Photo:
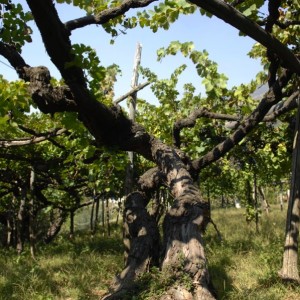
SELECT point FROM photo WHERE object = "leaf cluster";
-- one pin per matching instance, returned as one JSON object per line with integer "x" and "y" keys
{"x": 14, "y": 28}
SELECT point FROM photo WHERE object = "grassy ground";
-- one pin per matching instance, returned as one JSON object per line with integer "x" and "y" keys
{"x": 243, "y": 266}
{"x": 66, "y": 270}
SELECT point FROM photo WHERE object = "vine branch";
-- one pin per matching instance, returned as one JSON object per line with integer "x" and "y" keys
{"x": 272, "y": 97}
{"x": 232, "y": 16}
{"x": 107, "y": 14}
{"x": 31, "y": 140}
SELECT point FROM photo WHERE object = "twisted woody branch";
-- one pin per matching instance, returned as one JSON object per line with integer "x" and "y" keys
{"x": 232, "y": 16}
{"x": 273, "y": 96}
{"x": 107, "y": 14}
{"x": 32, "y": 140}
{"x": 190, "y": 121}
{"x": 112, "y": 128}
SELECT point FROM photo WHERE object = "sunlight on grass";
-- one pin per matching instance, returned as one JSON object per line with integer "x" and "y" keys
{"x": 243, "y": 266}
{"x": 79, "y": 269}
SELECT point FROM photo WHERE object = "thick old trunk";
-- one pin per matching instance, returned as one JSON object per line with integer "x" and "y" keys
{"x": 110, "y": 127}
{"x": 183, "y": 257}
{"x": 184, "y": 253}
{"x": 183, "y": 247}
{"x": 141, "y": 239}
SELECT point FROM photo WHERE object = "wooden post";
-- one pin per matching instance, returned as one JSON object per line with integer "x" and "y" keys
{"x": 103, "y": 214}
{"x": 96, "y": 215}
{"x": 281, "y": 197}
{"x": 92, "y": 224}
{"x": 132, "y": 111}
{"x": 289, "y": 269}
{"x": 134, "y": 81}
{"x": 32, "y": 216}
{"x": 107, "y": 217}
{"x": 255, "y": 199}
{"x": 20, "y": 221}
{"x": 71, "y": 233}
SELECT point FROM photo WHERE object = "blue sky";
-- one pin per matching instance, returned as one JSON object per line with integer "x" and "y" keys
{"x": 222, "y": 42}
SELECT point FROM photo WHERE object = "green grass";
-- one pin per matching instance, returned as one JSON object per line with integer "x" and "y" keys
{"x": 77, "y": 269}
{"x": 243, "y": 266}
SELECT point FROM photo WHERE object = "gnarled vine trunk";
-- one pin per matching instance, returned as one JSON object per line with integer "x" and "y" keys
{"x": 141, "y": 239}
{"x": 188, "y": 216}
{"x": 183, "y": 248}
{"x": 183, "y": 254}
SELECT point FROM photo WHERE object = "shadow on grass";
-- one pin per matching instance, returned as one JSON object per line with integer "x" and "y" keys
{"x": 84, "y": 242}
{"x": 24, "y": 276}
{"x": 273, "y": 279}
{"x": 222, "y": 283}
{"x": 80, "y": 268}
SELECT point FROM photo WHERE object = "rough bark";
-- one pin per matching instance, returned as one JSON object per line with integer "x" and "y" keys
{"x": 111, "y": 128}
{"x": 184, "y": 254}
{"x": 141, "y": 239}
{"x": 183, "y": 224}
{"x": 289, "y": 270}
{"x": 182, "y": 227}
